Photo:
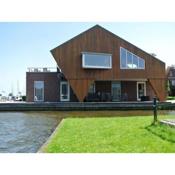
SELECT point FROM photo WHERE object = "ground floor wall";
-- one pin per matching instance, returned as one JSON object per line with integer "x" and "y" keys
{"x": 51, "y": 85}
{"x": 128, "y": 89}
{"x": 52, "y": 80}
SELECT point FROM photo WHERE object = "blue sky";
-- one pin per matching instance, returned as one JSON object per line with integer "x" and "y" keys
{"x": 25, "y": 45}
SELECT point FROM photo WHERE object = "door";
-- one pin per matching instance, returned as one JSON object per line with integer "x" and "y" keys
{"x": 116, "y": 91}
{"x": 38, "y": 90}
{"x": 64, "y": 91}
{"x": 141, "y": 90}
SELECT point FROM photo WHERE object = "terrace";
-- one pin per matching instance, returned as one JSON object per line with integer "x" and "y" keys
{"x": 43, "y": 69}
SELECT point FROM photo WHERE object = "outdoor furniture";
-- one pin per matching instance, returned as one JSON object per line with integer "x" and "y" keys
{"x": 144, "y": 98}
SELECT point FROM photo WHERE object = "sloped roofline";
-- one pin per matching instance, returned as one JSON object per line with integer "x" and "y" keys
{"x": 98, "y": 26}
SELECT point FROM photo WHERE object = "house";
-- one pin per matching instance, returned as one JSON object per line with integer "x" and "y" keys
{"x": 97, "y": 65}
{"x": 170, "y": 73}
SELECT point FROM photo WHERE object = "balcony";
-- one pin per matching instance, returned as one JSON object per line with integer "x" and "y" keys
{"x": 42, "y": 69}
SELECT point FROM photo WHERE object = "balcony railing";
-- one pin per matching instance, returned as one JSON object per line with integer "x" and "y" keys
{"x": 42, "y": 69}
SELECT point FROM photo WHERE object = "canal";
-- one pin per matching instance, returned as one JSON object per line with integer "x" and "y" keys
{"x": 26, "y": 132}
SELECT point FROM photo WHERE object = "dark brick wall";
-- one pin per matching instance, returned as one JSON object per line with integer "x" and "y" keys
{"x": 51, "y": 85}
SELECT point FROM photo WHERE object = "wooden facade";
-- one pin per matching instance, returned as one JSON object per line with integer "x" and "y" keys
{"x": 97, "y": 39}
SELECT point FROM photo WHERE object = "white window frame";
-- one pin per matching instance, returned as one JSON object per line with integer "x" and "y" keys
{"x": 141, "y": 82}
{"x": 121, "y": 67}
{"x": 42, "y": 93}
{"x": 64, "y": 82}
{"x": 96, "y": 67}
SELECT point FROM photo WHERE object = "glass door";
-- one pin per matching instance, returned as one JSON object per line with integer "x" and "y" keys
{"x": 64, "y": 91}
{"x": 116, "y": 91}
{"x": 38, "y": 90}
{"x": 141, "y": 90}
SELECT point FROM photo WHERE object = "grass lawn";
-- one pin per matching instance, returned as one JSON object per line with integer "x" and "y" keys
{"x": 170, "y": 98}
{"x": 111, "y": 134}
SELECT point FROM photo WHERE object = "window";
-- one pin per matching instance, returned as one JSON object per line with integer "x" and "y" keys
{"x": 123, "y": 57}
{"x": 173, "y": 82}
{"x": 91, "y": 88}
{"x": 135, "y": 64}
{"x": 141, "y": 63}
{"x": 96, "y": 60}
{"x": 38, "y": 90}
{"x": 64, "y": 91}
{"x": 129, "y": 60}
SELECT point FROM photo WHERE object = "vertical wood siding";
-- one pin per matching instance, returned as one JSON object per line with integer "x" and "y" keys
{"x": 97, "y": 39}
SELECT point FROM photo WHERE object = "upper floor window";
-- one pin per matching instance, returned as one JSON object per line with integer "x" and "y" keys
{"x": 93, "y": 60}
{"x": 129, "y": 60}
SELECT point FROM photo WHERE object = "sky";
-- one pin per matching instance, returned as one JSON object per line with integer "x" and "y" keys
{"x": 24, "y": 45}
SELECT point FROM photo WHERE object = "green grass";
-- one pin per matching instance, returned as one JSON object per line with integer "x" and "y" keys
{"x": 170, "y": 98}
{"x": 111, "y": 134}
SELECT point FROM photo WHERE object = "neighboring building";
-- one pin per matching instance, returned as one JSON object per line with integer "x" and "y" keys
{"x": 97, "y": 65}
{"x": 171, "y": 80}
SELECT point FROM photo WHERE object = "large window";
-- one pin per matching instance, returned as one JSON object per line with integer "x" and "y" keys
{"x": 129, "y": 60}
{"x": 96, "y": 60}
{"x": 38, "y": 90}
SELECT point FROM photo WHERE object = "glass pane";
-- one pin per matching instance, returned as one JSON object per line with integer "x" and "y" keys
{"x": 92, "y": 88}
{"x": 141, "y": 89}
{"x": 123, "y": 58}
{"x": 132, "y": 61}
{"x": 39, "y": 84}
{"x": 173, "y": 82}
{"x": 116, "y": 91}
{"x": 141, "y": 63}
{"x": 135, "y": 62}
{"x": 129, "y": 60}
{"x": 97, "y": 60}
{"x": 39, "y": 94}
{"x": 64, "y": 89}
{"x": 39, "y": 90}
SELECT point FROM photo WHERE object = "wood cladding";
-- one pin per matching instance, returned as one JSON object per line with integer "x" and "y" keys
{"x": 97, "y": 39}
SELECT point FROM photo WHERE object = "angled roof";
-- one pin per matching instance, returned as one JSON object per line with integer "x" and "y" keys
{"x": 98, "y": 26}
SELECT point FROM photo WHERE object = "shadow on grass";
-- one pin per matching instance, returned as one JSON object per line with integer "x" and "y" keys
{"x": 162, "y": 131}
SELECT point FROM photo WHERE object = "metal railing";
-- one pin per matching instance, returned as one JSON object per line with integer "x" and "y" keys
{"x": 42, "y": 69}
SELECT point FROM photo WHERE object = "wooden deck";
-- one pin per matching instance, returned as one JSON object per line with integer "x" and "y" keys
{"x": 73, "y": 106}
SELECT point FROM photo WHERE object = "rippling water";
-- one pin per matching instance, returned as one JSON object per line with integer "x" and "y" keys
{"x": 25, "y": 132}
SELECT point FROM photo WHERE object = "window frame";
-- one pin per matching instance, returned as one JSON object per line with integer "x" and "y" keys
{"x": 42, "y": 91}
{"x": 96, "y": 67}
{"x": 138, "y": 68}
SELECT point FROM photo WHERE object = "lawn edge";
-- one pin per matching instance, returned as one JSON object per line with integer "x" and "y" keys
{"x": 42, "y": 148}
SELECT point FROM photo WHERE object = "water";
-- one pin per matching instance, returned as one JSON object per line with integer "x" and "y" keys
{"x": 26, "y": 132}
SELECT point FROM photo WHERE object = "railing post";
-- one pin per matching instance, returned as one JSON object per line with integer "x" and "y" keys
{"x": 155, "y": 109}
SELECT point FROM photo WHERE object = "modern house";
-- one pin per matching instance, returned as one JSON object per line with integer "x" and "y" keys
{"x": 170, "y": 73}
{"x": 97, "y": 65}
